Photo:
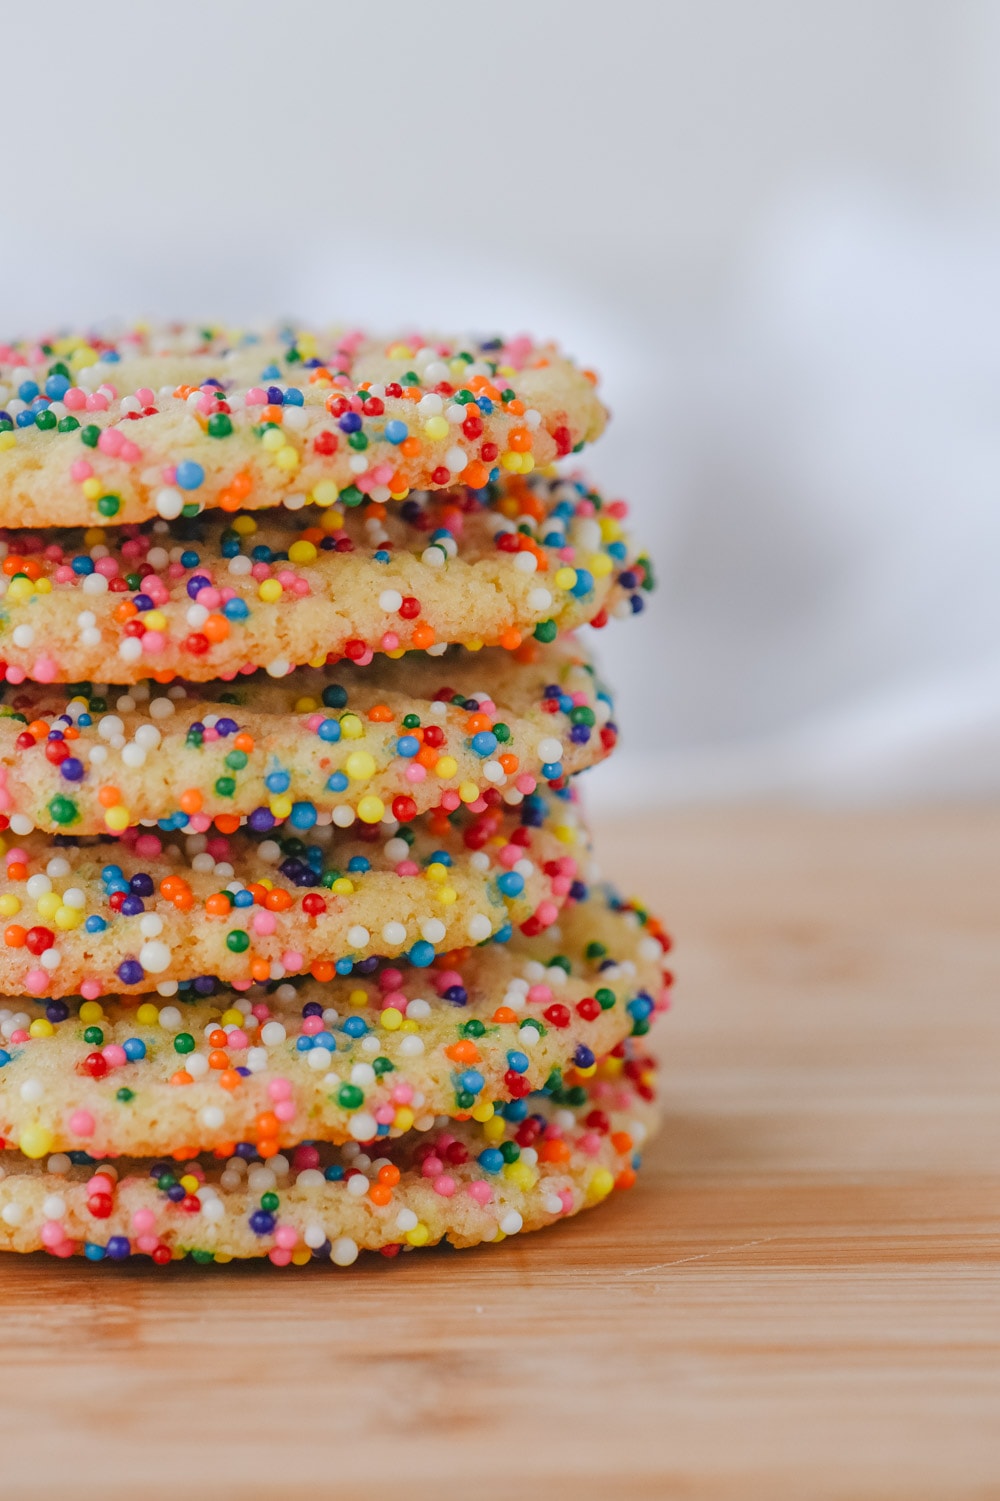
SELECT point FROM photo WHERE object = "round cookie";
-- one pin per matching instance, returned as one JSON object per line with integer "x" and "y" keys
{"x": 144, "y": 427}
{"x": 539, "y": 1160}
{"x": 138, "y": 914}
{"x": 216, "y": 596}
{"x": 379, "y": 1053}
{"x": 396, "y": 738}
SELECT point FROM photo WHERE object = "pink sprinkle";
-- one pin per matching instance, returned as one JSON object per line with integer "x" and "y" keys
{"x": 390, "y": 979}
{"x": 285, "y": 1110}
{"x": 407, "y": 868}
{"x": 53, "y": 1234}
{"x": 21, "y": 1035}
{"x": 18, "y": 855}
{"x": 445, "y": 1186}
{"x": 169, "y": 475}
{"x": 153, "y": 642}
{"x": 91, "y": 989}
{"x": 143, "y": 1220}
{"x": 80, "y": 470}
{"x": 237, "y": 1039}
{"x": 431, "y": 1167}
{"x": 255, "y": 397}
{"x": 129, "y": 451}
{"x": 145, "y": 395}
{"x": 278, "y": 1257}
{"x": 44, "y": 670}
{"x": 547, "y": 914}
{"x": 450, "y": 800}
{"x": 385, "y": 1115}
{"x": 149, "y": 846}
{"x": 74, "y": 399}
{"x": 415, "y": 772}
{"x": 313, "y": 722}
{"x": 590, "y": 1143}
{"x": 96, "y": 402}
{"x": 390, "y": 641}
{"x": 106, "y": 566}
{"x": 305, "y": 1157}
{"x": 110, "y": 441}
{"x": 539, "y": 995}
{"x": 382, "y": 474}
{"x": 280, "y": 1089}
{"x": 81, "y": 1123}
{"x": 36, "y": 980}
{"x": 311, "y": 1025}
{"x": 147, "y": 1244}
{"x": 402, "y": 1094}
{"x": 292, "y": 959}
{"x": 287, "y": 1237}
{"x": 264, "y": 922}
{"x": 480, "y": 1190}
{"x": 115, "y": 1055}
{"x": 209, "y": 597}
{"x": 15, "y": 674}
{"x": 100, "y": 1183}
{"x": 199, "y": 823}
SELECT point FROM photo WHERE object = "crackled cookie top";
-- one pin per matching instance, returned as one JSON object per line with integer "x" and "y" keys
{"x": 378, "y": 1053}
{"x": 534, "y": 1161}
{"x": 175, "y": 421}
{"x": 393, "y": 739}
{"x": 216, "y": 596}
{"x": 147, "y": 911}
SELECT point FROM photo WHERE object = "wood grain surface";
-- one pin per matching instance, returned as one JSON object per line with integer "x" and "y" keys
{"x": 800, "y": 1299}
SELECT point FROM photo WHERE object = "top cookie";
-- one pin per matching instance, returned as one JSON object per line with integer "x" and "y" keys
{"x": 157, "y": 423}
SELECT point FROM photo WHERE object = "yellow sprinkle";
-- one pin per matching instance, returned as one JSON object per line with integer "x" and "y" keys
{"x": 351, "y": 727}
{"x": 117, "y": 818}
{"x": 495, "y": 1129}
{"x": 436, "y": 871}
{"x": 436, "y": 428}
{"x": 93, "y": 1011}
{"x": 342, "y": 886}
{"x": 20, "y": 588}
{"x": 564, "y": 578}
{"x": 445, "y": 766}
{"x": 68, "y": 918}
{"x": 511, "y": 460}
{"x": 43, "y": 586}
{"x": 324, "y": 494}
{"x": 483, "y": 1112}
{"x": 301, "y": 1257}
{"x": 147, "y": 1015}
{"x": 302, "y": 552}
{"x": 231, "y": 1018}
{"x": 600, "y": 1185}
{"x": 245, "y": 526}
{"x": 273, "y": 439}
{"x": 48, "y": 905}
{"x": 41, "y": 1027}
{"x": 280, "y": 806}
{"x": 92, "y": 488}
{"x": 9, "y": 905}
{"x": 391, "y": 1019}
{"x": 358, "y": 998}
{"x": 306, "y": 705}
{"x": 269, "y": 590}
{"x": 331, "y": 519}
{"x": 404, "y": 1118}
{"x": 155, "y": 620}
{"x": 418, "y": 1236}
{"x": 7, "y": 440}
{"x": 35, "y": 1141}
{"x": 371, "y": 809}
{"x": 287, "y": 457}
{"x": 521, "y": 1175}
{"x": 599, "y": 565}
{"x": 189, "y": 1183}
{"x": 468, "y": 792}
{"x": 360, "y": 766}
{"x": 401, "y": 352}
{"x": 565, "y": 833}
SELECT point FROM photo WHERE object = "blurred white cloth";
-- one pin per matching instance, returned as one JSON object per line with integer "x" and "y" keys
{"x": 828, "y": 621}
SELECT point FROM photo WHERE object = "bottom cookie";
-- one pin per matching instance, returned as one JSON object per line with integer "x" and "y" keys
{"x": 535, "y": 1161}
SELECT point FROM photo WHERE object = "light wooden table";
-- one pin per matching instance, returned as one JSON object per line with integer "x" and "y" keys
{"x": 801, "y": 1299}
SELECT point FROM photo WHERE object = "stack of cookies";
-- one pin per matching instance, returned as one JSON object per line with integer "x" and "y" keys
{"x": 302, "y": 949}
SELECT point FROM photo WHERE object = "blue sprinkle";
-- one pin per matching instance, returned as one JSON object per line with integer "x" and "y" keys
{"x": 303, "y": 815}
{"x": 95, "y": 924}
{"x": 134, "y": 1049}
{"x": 491, "y": 1160}
{"x": 329, "y": 730}
{"x": 189, "y": 475}
{"x": 93, "y": 1251}
{"x": 517, "y": 1061}
{"x": 511, "y": 883}
{"x": 407, "y": 745}
{"x": 27, "y": 390}
{"x": 421, "y": 954}
{"x": 396, "y": 431}
{"x": 338, "y": 782}
{"x": 277, "y": 781}
{"x": 355, "y": 1026}
{"x": 472, "y": 1081}
{"x": 485, "y": 743}
{"x": 236, "y": 609}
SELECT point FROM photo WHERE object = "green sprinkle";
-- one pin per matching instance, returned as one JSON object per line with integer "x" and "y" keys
{"x": 237, "y": 941}
{"x": 184, "y": 1043}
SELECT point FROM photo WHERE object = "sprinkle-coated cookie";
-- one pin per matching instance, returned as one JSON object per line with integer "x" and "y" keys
{"x": 159, "y": 424}
{"x": 218, "y": 595}
{"x": 535, "y": 1161}
{"x": 392, "y": 739}
{"x": 147, "y": 911}
{"x": 377, "y": 1054}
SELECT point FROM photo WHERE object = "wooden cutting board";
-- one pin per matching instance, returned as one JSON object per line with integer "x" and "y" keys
{"x": 800, "y": 1299}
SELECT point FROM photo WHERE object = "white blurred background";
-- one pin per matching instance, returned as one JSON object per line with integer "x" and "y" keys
{"x": 772, "y": 225}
